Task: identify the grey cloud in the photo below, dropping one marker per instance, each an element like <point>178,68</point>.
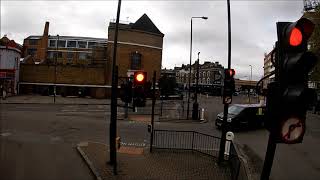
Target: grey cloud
<point>253,25</point>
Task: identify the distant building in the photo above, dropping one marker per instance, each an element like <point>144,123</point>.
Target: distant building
<point>65,50</point>
<point>268,69</point>
<point>10,53</point>
<point>211,75</point>
<point>85,63</point>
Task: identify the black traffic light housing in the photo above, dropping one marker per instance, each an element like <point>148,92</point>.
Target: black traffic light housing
<point>229,85</point>
<point>288,97</point>
<point>126,92</point>
<point>139,92</point>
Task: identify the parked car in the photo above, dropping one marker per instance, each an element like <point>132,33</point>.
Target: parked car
<point>243,116</point>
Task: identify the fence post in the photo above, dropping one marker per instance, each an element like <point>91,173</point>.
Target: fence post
<point>192,140</point>
<point>161,105</point>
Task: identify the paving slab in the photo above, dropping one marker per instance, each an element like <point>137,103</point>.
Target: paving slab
<point>160,164</point>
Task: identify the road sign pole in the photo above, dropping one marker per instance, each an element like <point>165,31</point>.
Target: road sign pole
<point>268,161</point>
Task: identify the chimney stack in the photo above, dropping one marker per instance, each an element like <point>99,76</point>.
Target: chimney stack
<point>46,29</point>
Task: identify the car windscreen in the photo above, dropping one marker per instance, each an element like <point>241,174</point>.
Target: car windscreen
<point>235,109</point>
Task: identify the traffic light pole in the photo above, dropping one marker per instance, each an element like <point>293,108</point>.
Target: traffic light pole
<point>226,106</point>
<point>113,117</point>
<point>153,104</point>
<point>271,148</point>
<point>268,161</point>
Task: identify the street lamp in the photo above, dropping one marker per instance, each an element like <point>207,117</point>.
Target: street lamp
<point>250,82</point>
<point>195,104</point>
<point>55,70</point>
<point>189,83</point>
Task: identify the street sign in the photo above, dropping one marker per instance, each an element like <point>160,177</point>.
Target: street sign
<point>292,130</point>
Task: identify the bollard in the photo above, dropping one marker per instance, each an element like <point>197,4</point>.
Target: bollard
<point>202,114</point>
<point>118,142</point>
<point>207,96</point>
<point>136,109</point>
<point>229,137</point>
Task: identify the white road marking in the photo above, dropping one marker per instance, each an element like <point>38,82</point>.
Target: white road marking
<point>132,144</point>
<point>5,134</point>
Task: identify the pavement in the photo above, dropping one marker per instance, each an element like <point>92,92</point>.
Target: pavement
<point>138,163</point>
<point>38,99</point>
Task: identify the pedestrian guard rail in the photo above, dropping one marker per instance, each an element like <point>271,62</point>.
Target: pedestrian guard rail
<point>198,142</point>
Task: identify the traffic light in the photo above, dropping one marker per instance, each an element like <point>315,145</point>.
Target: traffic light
<point>288,97</point>
<point>126,92</point>
<point>229,85</point>
<point>139,78</point>
<point>139,92</point>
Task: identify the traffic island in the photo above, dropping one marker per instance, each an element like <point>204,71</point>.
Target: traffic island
<point>138,163</point>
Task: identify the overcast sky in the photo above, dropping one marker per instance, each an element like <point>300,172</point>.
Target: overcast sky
<point>253,26</point>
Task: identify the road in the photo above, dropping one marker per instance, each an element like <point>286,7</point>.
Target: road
<point>38,140</point>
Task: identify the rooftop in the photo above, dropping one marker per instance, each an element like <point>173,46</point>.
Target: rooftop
<point>144,23</point>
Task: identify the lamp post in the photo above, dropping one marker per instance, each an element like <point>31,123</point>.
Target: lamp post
<point>250,83</point>
<point>195,104</point>
<point>55,70</point>
<point>189,83</point>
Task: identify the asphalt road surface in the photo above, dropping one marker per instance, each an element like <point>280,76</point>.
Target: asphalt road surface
<point>38,140</point>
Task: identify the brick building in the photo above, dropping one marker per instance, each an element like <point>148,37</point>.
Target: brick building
<point>85,63</point>
<point>10,53</point>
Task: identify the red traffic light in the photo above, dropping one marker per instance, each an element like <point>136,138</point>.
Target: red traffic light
<point>295,37</point>
<point>230,72</point>
<point>298,33</point>
<point>140,77</point>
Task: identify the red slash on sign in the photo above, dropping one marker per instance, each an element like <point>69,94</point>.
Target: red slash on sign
<point>292,130</point>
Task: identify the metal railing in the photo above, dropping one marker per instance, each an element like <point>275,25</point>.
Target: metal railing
<point>186,140</point>
<point>199,142</point>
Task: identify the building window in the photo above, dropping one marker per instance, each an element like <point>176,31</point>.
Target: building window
<point>33,41</point>
<point>208,73</point>
<point>69,56</point>
<point>72,44</point>
<point>62,43</point>
<point>204,74</point>
<point>50,55</point>
<point>59,55</point>
<point>135,61</point>
<point>82,56</point>
<point>91,44</point>
<point>32,51</point>
<point>208,80</point>
<point>89,56</point>
<point>52,43</point>
<point>204,80</point>
<point>82,44</point>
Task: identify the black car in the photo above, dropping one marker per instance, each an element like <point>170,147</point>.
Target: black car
<point>243,116</point>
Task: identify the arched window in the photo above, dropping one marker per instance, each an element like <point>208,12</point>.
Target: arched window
<point>136,61</point>
<point>208,73</point>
